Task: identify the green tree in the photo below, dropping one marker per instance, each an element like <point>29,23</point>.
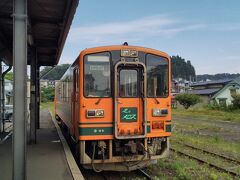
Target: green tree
<point>182,69</point>
<point>236,101</point>
<point>219,76</point>
<point>47,94</point>
<point>54,73</point>
<point>188,100</point>
<point>9,76</point>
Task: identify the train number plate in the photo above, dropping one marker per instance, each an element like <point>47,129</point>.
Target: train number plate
<point>128,114</point>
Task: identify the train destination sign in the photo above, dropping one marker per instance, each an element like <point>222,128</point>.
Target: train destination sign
<point>128,114</point>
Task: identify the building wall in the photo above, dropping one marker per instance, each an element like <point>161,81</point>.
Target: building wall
<point>205,99</point>
<point>226,94</point>
<point>43,83</point>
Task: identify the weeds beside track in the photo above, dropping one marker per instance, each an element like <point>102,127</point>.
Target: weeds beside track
<point>218,161</point>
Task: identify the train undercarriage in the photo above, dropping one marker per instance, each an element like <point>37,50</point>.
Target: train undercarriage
<point>122,155</point>
<point>118,155</point>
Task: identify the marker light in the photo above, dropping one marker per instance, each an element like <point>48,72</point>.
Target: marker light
<point>157,125</point>
<point>95,113</point>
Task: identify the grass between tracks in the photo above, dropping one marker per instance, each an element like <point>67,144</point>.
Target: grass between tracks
<point>48,105</point>
<point>206,129</point>
<point>184,168</point>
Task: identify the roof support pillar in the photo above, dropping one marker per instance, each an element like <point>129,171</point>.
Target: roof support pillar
<point>33,96</point>
<point>38,89</point>
<point>19,92</point>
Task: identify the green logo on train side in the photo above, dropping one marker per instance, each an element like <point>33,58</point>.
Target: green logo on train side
<point>128,114</point>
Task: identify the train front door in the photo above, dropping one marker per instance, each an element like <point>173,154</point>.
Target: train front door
<point>130,94</point>
<point>75,101</point>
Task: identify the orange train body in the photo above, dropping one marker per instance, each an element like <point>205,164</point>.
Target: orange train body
<point>115,102</point>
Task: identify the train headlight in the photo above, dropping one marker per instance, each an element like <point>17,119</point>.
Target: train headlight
<point>156,112</point>
<point>159,112</point>
<point>100,113</point>
<point>95,113</point>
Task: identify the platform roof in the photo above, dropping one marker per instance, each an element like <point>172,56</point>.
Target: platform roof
<point>49,22</point>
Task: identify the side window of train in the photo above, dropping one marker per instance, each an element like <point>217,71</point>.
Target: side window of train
<point>62,83</point>
<point>76,83</point>
<point>97,82</point>
<point>157,76</point>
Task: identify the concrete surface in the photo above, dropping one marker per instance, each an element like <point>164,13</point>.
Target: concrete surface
<point>45,160</point>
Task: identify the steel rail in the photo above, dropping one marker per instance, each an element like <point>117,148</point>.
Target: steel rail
<point>212,153</point>
<point>206,162</point>
<point>145,174</point>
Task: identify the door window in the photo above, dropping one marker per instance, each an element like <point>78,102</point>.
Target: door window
<point>128,83</point>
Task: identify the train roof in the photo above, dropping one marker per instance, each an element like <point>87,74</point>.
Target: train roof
<point>118,47</point>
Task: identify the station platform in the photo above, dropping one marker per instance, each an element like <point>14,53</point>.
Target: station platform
<point>48,159</point>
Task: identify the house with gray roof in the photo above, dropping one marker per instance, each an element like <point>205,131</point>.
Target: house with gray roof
<point>207,89</point>
<point>224,96</point>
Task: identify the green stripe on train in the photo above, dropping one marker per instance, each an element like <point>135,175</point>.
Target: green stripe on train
<point>168,128</point>
<point>96,131</point>
<point>100,131</point>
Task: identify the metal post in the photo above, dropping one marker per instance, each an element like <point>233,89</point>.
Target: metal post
<point>1,109</point>
<point>38,89</point>
<point>33,101</point>
<point>19,84</point>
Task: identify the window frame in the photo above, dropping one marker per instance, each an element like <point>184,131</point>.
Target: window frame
<point>110,76</point>
<point>169,76</point>
<point>221,100</point>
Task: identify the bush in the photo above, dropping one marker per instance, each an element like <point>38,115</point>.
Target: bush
<point>236,101</point>
<point>188,100</point>
<point>47,94</point>
<point>215,106</point>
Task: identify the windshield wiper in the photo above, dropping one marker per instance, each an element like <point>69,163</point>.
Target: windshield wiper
<point>101,96</point>
<point>156,100</point>
<point>98,101</point>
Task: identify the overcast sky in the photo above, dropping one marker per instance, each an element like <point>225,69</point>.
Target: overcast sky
<point>207,32</point>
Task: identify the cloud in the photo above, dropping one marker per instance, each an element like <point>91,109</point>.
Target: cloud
<point>224,27</point>
<point>131,31</point>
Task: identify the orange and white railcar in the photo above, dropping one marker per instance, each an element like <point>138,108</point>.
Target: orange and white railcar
<point>115,102</point>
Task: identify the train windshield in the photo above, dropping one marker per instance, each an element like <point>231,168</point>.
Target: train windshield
<point>157,76</point>
<point>97,75</point>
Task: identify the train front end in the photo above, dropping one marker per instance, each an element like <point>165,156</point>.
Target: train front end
<point>124,107</point>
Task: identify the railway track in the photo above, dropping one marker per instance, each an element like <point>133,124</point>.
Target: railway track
<point>145,174</point>
<point>233,167</point>
<point>115,175</point>
<point>214,154</point>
